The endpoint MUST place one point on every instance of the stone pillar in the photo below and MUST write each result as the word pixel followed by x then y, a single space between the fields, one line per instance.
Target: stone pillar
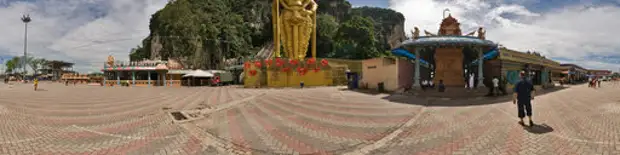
pixel 133 77
pixel 149 78
pixel 118 78
pixel 480 68
pixel 416 74
pixel 165 83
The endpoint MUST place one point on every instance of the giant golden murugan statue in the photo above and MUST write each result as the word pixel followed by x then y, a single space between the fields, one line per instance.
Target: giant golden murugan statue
pixel 294 26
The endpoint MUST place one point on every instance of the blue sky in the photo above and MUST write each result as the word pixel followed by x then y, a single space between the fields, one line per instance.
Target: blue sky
pixel 85 32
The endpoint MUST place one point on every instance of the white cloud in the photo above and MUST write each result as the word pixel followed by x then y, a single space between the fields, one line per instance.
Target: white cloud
pixel 582 34
pixel 80 31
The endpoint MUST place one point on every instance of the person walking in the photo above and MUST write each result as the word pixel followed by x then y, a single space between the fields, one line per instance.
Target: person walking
pixel 495 86
pixel 599 83
pixel 522 97
pixel 36 84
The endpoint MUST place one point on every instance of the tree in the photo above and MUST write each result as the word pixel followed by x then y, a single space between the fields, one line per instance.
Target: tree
pixel 36 63
pixel 13 64
pixel 356 39
pixel 326 30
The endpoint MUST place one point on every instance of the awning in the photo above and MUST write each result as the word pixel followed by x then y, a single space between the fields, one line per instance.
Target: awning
pixel 182 72
pixel 199 73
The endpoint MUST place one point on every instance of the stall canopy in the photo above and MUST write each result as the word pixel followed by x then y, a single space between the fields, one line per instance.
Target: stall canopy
pixel 199 73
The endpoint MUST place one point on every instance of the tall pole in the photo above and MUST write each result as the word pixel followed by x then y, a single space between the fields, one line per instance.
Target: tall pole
pixel 26 19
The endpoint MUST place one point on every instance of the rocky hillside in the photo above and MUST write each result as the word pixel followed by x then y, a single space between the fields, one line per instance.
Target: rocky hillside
pixel 202 33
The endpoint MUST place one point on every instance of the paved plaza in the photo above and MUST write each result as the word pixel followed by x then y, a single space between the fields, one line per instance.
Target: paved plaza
pixel 229 120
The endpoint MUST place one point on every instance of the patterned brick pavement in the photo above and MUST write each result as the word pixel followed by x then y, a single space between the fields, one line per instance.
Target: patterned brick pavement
pixel 97 120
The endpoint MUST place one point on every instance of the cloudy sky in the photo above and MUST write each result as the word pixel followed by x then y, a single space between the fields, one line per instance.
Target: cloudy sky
pixel 79 31
pixel 86 31
pixel 570 31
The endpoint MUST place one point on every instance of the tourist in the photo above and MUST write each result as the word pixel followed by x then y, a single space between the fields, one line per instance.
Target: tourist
pixel 441 87
pixel 599 83
pixel 424 84
pixel 495 86
pixel 430 84
pixel 523 96
pixel 36 84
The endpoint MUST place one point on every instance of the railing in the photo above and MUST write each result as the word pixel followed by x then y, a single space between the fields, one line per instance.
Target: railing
pixel 174 82
pixel 143 82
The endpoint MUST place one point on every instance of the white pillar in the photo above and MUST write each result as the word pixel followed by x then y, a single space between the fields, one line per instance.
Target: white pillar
pixel 118 78
pixel 480 68
pixel 416 75
pixel 165 83
pixel 149 78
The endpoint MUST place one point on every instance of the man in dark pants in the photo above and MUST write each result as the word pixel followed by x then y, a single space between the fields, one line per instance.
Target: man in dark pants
pixel 523 96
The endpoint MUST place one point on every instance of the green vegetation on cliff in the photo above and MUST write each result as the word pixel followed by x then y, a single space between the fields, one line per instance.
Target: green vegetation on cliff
pixel 200 33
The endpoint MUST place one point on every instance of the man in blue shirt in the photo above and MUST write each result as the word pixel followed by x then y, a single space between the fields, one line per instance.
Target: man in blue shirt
pixel 523 96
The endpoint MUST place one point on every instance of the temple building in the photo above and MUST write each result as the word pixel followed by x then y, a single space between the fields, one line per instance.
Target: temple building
pixel 143 73
pixel 459 60
pixel 574 73
pixel 600 74
pixel 509 63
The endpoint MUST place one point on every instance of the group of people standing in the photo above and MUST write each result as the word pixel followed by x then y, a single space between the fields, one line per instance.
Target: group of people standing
pixel 594 83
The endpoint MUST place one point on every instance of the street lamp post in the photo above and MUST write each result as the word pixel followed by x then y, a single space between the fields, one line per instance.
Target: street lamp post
pixel 26 19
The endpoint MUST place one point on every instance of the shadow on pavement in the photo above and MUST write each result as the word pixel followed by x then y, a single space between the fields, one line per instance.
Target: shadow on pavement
pixel 538 129
pixel 447 100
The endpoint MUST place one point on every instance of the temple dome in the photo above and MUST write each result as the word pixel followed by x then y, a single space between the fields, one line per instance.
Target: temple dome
pixel 449 21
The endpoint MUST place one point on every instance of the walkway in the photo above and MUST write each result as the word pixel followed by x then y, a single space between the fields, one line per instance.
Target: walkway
pixel 101 120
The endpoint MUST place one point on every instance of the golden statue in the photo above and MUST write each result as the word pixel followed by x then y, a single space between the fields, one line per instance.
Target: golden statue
pixel 415 33
pixel 298 22
pixel 110 61
pixel 481 33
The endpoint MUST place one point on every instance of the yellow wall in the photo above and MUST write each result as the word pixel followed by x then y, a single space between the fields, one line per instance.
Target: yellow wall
pixel 384 72
pixel 277 78
pixel 250 81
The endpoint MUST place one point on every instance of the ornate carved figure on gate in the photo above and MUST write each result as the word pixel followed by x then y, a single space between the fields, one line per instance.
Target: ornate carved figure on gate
pixel 297 23
pixel 110 61
pixel 415 33
pixel 449 26
pixel 481 33
pixel 429 33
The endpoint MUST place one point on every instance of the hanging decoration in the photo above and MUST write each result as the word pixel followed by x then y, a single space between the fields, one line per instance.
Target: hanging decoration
pixel 258 64
pixel 268 62
pixel 285 69
pixel 252 72
pixel 293 62
pixel 317 69
pixel 324 62
pixel 247 65
pixel 279 62
pixel 311 61
pixel 301 70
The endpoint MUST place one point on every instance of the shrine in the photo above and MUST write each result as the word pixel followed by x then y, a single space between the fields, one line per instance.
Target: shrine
pixel 451 54
pixel 470 60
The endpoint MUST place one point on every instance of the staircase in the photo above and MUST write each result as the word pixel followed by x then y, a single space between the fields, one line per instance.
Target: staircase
pixel 266 51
